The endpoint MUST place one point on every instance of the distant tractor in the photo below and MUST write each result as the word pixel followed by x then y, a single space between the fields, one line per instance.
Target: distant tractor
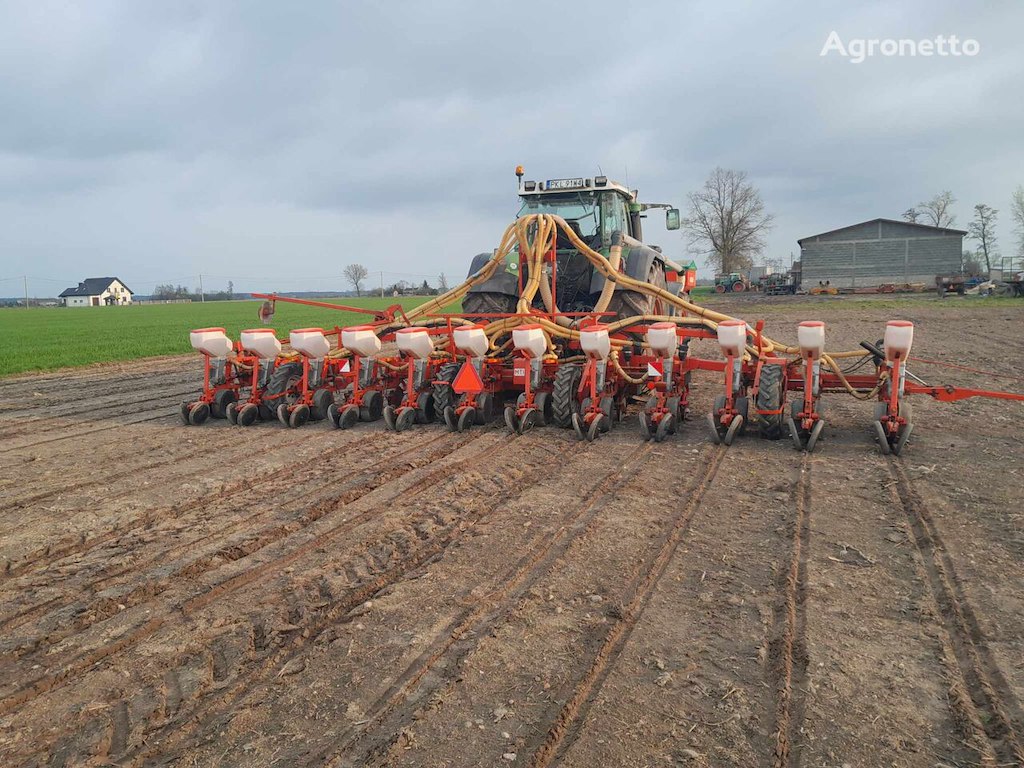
pixel 950 283
pixel 731 282
pixel 778 284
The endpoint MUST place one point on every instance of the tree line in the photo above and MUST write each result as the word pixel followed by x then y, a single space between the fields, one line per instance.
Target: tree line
pixel 171 292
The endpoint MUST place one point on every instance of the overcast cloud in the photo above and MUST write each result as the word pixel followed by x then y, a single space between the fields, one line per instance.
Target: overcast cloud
pixel 272 143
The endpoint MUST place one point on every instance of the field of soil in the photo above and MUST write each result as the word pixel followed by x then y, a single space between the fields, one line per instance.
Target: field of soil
pixel 212 596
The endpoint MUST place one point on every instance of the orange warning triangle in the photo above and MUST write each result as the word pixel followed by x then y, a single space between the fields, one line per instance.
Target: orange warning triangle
pixel 468 381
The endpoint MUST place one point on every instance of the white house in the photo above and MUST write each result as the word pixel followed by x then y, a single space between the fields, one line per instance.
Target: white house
pixel 98 292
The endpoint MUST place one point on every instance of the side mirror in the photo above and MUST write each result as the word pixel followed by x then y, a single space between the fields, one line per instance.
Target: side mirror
pixel 672 218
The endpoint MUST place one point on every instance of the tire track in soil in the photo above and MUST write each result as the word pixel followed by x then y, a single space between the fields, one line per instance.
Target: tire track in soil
pixel 47 556
pixel 787 650
pixel 77 615
pixel 457 638
pixel 189 605
pixel 552 745
pixel 987 702
pixel 215 703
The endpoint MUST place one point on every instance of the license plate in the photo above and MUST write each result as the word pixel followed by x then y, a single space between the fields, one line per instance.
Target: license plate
pixel 565 183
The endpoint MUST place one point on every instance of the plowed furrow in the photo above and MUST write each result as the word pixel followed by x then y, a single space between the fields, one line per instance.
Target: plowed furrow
pixel 379 566
pixel 996 708
pixel 192 599
pixel 787 650
pixel 551 745
pixel 97 600
pixel 396 708
pixel 80 544
pixel 71 484
pixel 49 425
pixel 165 412
pixel 71 403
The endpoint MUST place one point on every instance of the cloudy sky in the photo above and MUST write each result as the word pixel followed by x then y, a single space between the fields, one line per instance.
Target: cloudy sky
pixel 272 143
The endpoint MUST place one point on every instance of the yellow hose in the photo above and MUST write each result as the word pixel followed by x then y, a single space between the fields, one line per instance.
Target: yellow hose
pixel 535 236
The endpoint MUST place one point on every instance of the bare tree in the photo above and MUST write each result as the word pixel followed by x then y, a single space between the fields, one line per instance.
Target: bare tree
pixel 983 229
pixel 355 274
pixel 442 283
pixel 1017 213
pixel 727 221
pixel 937 210
pixel 911 215
pixel 969 264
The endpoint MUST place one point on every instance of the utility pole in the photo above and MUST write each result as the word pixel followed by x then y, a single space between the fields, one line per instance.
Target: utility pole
pixel 382 284
pixel 202 296
pixel 25 278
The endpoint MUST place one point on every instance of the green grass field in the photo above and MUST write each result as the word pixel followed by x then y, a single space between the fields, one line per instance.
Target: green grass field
pixel 40 339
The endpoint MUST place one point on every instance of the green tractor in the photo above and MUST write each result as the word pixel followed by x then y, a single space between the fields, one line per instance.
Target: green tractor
pixel 595 209
pixel 731 282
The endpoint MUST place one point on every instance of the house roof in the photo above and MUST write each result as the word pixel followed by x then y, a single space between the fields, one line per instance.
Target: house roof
pixel 93 286
pixel 927 227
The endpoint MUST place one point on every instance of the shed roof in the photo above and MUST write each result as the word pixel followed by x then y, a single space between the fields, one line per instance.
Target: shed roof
pixel 926 227
pixel 93 286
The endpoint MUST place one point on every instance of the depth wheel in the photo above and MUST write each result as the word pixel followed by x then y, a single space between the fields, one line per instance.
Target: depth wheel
pixel 299 416
pixel 389 417
pixel 405 419
pixel 598 425
pixel 450 419
pixel 645 425
pixel 666 427
pixel 348 417
pixel 716 436
pixel 901 443
pixel 484 408
pixel 510 418
pixel 282 414
pixel 883 439
pixel 373 406
pixel 812 441
pixel 198 413
pixel 466 419
pixel 248 414
pixel 231 413
pixel 530 418
pixel 323 399
pixel 794 435
pixel 186 406
pixel 735 428
pixel 425 408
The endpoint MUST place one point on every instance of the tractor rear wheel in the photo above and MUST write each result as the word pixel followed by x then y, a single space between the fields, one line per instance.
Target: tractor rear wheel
pixel 280 388
pixel 444 395
pixel 626 303
pixel 738 287
pixel 483 303
pixel 769 398
pixel 221 400
pixel 563 395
